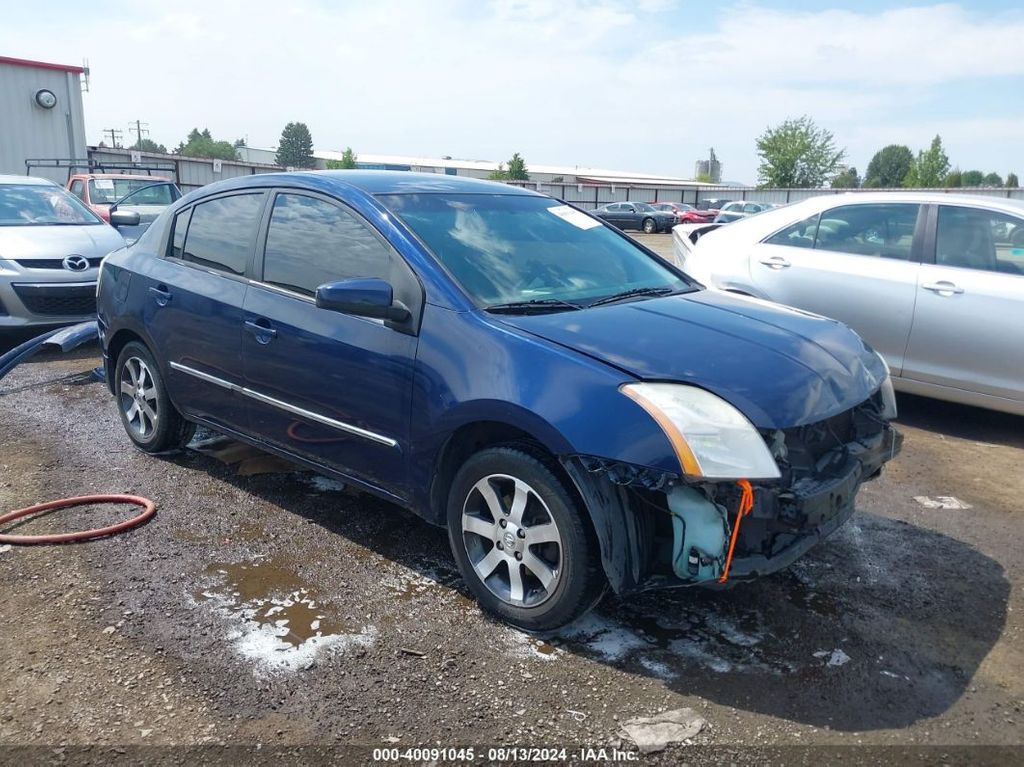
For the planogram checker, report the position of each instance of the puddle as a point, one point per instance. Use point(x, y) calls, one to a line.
point(277, 618)
point(247, 460)
point(666, 645)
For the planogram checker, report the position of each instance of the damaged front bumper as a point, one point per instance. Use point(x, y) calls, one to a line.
point(802, 516)
point(659, 530)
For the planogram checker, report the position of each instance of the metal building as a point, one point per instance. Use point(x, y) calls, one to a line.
point(41, 114)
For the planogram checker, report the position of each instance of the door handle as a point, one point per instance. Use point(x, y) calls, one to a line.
point(775, 262)
point(943, 288)
point(261, 329)
point(160, 294)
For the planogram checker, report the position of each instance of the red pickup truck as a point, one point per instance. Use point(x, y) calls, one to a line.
point(100, 190)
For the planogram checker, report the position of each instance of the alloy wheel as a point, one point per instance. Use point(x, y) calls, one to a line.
point(138, 398)
point(512, 540)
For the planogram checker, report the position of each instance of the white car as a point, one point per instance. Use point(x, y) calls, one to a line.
point(934, 282)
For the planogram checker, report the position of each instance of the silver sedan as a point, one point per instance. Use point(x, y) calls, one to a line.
point(51, 246)
point(934, 282)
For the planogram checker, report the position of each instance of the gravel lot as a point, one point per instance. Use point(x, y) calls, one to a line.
point(903, 629)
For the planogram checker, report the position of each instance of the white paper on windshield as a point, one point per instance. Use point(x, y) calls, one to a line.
point(104, 183)
point(574, 217)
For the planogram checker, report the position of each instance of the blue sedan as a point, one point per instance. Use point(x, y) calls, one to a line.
point(577, 412)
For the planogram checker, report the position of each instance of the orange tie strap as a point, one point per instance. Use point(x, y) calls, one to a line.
point(746, 504)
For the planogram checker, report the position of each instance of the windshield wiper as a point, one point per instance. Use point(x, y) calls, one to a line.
point(533, 305)
point(662, 291)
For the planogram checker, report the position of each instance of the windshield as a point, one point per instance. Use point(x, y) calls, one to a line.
point(42, 205)
point(104, 191)
point(643, 207)
point(514, 248)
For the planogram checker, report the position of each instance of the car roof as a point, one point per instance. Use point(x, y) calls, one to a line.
point(937, 198)
point(31, 180)
point(370, 182)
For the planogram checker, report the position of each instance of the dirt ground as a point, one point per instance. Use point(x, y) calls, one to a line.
point(903, 629)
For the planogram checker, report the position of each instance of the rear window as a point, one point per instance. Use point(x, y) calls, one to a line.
point(42, 205)
point(222, 232)
point(104, 191)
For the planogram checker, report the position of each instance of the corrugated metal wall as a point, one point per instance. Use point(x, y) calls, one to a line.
point(29, 131)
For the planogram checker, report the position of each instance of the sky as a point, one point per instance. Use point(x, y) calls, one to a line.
point(636, 85)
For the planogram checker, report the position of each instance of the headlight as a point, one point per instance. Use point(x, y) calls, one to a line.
point(711, 438)
point(888, 393)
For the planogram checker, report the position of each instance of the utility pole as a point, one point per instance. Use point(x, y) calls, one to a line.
point(140, 128)
point(115, 137)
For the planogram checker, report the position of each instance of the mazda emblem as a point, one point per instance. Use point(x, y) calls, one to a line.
point(76, 263)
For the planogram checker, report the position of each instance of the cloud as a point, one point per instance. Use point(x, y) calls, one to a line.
point(632, 84)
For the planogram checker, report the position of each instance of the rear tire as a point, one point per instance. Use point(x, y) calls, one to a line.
point(522, 542)
point(148, 417)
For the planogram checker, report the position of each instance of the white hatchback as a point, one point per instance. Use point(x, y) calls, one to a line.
point(934, 282)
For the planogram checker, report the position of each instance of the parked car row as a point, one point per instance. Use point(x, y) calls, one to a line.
point(637, 215)
point(644, 216)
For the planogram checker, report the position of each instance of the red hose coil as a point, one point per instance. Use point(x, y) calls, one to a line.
point(149, 509)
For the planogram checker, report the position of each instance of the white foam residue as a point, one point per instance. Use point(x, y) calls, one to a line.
point(326, 484)
point(656, 667)
point(263, 644)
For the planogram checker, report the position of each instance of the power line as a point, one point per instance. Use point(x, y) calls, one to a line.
point(139, 127)
point(115, 137)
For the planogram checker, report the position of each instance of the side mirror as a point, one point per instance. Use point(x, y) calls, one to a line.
point(362, 297)
point(119, 218)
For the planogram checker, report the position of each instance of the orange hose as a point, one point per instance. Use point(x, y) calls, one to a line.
point(149, 509)
point(746, 504)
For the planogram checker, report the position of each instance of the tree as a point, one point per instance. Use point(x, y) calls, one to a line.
point(930, 168)
point(974, 178)
point(295, 149)
point(202, 144)
point(148, 145)
point(348, 161)
point(993, 179)
point(797, 153)
point(517, 170)
point(1011, 180)
point(704, 178)
point(239, 143)
point(889, 166)
point(848, 179)
point(954, 179)
point(499, 173)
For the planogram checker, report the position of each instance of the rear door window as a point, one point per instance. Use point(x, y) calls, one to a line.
point(311, 242)
point(883, 230)
point(798, 235)
point(972, 238)
point(222, 232)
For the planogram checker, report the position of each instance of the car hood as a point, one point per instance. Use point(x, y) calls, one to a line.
point(781, 367)
point(91, 241)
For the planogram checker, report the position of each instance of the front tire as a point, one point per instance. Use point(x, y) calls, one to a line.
point(649, 226)
point(148, 416)
point(522, 542)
